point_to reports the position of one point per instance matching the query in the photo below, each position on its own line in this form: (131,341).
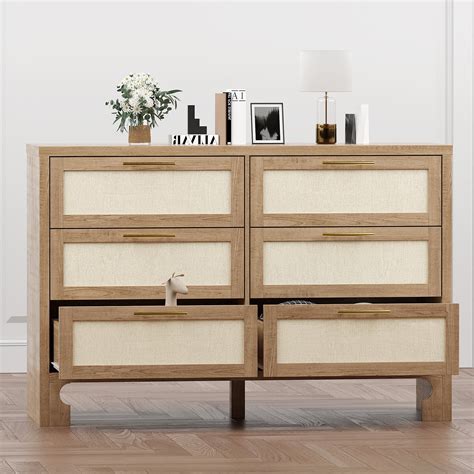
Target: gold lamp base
(326,133)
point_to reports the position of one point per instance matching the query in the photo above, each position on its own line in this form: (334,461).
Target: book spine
(220,117)
(228,116)
(239,117)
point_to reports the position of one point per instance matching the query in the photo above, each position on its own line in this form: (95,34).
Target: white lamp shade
(322,71)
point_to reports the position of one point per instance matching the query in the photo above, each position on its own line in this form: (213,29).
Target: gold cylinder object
(326,133)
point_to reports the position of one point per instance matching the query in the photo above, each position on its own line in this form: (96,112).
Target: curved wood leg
(59,412)
(434,397)
(237,399)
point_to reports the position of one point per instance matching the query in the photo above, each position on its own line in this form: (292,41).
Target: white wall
(63,59)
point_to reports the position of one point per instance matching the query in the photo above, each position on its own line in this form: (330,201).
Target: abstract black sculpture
(194,125)
(350,129)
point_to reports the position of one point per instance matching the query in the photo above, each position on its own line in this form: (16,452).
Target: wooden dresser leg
(434,397)
(59,412)
(237,399)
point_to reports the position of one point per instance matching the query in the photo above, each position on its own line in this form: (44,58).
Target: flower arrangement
(142,102)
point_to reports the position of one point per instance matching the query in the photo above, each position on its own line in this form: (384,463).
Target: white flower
(134,103)
(149,102)
(139,81)
(124,104)
(143,92)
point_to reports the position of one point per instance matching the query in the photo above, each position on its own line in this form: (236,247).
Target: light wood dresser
(251,227)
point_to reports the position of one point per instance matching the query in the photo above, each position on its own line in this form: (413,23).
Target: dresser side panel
(447,232)
(38,287)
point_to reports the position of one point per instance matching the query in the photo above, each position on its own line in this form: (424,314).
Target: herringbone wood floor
(292,426)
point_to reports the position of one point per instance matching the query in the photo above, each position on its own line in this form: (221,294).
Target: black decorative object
(194,125)
(350,129)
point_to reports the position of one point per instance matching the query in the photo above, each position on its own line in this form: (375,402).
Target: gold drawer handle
(345,162)
(163,313)
(148,235)
(363,311)
(347,234)
(148,163)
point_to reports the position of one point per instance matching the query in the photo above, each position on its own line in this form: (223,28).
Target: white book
(239,116)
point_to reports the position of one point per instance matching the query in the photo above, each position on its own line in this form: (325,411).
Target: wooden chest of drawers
(250,226)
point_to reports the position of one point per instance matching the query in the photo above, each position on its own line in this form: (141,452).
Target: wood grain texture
(247,250)
(434,397)
(320,194)
(447,228)
(236,150)
(234,165)
(340,426)
(453,343)
(60,412)
(237,399)
(38,287)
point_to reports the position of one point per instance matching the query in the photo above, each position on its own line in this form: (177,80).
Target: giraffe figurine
(174,286)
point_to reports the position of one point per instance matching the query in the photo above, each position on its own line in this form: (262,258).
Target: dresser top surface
(293,149)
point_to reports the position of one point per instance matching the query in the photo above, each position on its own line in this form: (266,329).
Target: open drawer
(359,340)
(189,342)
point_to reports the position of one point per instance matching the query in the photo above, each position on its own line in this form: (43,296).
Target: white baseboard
(12,356)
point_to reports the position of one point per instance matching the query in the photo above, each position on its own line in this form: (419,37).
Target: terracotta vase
(139,134)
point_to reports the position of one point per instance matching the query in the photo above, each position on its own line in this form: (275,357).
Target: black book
(228,116)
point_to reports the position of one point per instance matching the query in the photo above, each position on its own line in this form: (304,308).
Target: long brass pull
(156,313)
(363,311)
(148,163)
(149,235)
(347,162)
(347,234)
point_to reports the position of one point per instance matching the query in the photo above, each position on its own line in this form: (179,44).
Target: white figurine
(362,132)
(174,285)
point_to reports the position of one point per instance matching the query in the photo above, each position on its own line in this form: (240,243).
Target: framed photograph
(267,123)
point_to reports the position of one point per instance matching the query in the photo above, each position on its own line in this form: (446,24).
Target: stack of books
(231,114)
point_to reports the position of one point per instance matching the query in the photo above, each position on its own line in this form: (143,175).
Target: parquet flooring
(357,426)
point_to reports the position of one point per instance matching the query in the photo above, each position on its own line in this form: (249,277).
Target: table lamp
(323,71)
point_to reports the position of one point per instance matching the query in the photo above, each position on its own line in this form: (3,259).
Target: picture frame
(267,123)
